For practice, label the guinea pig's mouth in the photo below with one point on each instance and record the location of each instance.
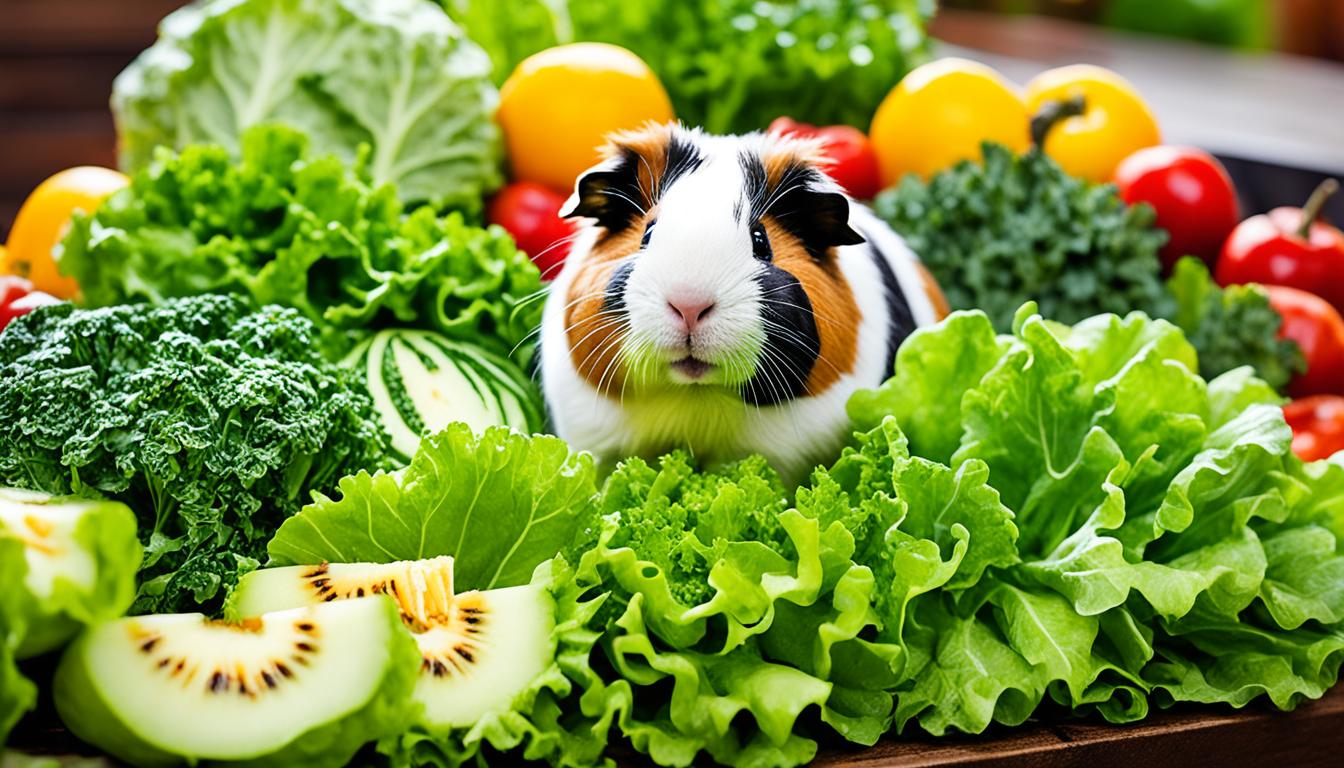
(693, 368)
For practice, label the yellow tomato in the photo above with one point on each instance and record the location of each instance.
(940, 113)
(1114, 125)
(44, 218)
(558, 105)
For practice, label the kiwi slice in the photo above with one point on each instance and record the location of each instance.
(478, 649)
(307, 686)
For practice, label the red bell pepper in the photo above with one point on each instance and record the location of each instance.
(1288, 246)
(1318, 426)
(1319, 330)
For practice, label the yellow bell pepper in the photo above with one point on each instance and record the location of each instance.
(44, 219)
(940, 113)
(1114, 122)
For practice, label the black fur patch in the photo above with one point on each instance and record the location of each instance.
(900, 320)
(799, 202)
(613, 194)
(614, 298)
(792, 343)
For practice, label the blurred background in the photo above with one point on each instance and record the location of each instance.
(1260, 83)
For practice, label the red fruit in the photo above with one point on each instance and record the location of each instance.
(851, 160)
(1318, 426)
(17, 297)
(1192, 194)
(1289, 246)
(530, 212)
(1319, 330)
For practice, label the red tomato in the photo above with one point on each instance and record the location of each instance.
(1192, 194)
(530, 212)
(1319, 330)
(17, 297)
(1318, 426)
(1276, 249)
(852, 161)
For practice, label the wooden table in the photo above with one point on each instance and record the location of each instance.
(1312, 735)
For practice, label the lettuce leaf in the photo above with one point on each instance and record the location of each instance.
(1166, 545)
(395, 75)
(278, 220)
(17, 693)
(500, 503)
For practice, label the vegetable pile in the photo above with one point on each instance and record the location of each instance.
(289, 424)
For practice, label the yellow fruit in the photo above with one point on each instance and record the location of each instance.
(940, 113)
(1114, 125)
(44, 219)
(558, 105)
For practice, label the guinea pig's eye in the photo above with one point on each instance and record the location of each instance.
(760, 243)
(648, 232)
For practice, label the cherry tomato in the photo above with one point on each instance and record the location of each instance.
(1288, 246)
(852, 160)
(1319, 330)
(1192, 194)
(530, 212)
(17, 297)
(1318, 426)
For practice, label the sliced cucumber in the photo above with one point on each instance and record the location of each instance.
(307, 686)
(478, 650)
(81, 557)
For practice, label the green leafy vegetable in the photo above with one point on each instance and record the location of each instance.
(396, 75)
(284, 227)
(500, 504)
(211, 421)
(729, 65)
(1232, 326)
(1017, 228)
(1169, 546)
(17, 693)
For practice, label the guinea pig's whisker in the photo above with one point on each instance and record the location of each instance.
(643, 211)
(823, 317)
(778, 193)
(602, 345)
(601, 381)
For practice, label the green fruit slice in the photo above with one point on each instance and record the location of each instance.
(478, 649)
(81, 557)
(306, 686)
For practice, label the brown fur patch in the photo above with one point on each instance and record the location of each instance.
(837, 313)
(781, 153)
(941, 309)
(594, 334)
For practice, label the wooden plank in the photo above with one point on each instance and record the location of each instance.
(81, 26)
(1311, 736)
(1267, 107)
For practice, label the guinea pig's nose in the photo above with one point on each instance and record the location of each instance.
(691, 311)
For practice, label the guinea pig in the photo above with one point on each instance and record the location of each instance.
(723, 296)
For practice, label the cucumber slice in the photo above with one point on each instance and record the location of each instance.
(80, 558)
(478, 649)
(307, 686)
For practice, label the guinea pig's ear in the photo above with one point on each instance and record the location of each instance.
(603, 193)
(815, 211)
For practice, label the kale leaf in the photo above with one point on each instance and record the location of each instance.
(213, 422)
(1017, 228)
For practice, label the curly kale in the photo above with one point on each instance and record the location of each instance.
(212, 421)
(677, 517)
(1017, 228)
